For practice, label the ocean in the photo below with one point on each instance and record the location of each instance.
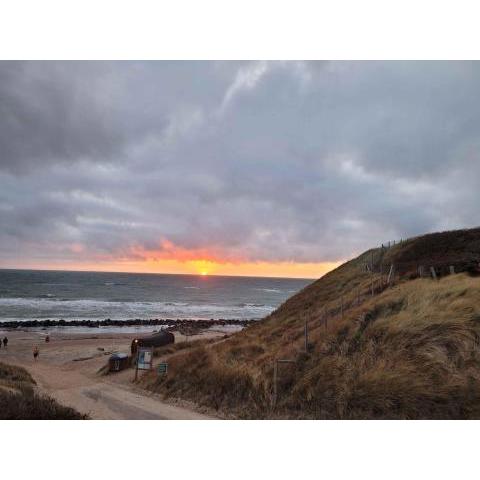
(55, 295)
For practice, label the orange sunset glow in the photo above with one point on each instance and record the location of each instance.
(174, 259)
(192, 267)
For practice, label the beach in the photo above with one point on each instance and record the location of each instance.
(68, 370)
(89, 315)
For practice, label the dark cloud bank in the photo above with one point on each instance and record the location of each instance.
(259, 161)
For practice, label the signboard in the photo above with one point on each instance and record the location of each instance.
(145, 358)
(162, 368)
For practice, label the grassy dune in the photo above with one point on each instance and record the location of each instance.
(20, 401)
(410, 351)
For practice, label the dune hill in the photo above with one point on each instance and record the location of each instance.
(19, 399)
(385, 340)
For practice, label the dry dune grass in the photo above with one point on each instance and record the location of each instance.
(418, 357)
(411, 351)
(457, 247)
(20, 401)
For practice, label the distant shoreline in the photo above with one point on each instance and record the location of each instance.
(170, 323)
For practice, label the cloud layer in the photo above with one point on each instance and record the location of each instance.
(227, 161)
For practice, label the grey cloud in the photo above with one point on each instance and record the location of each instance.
(52, 112)
(272, 161)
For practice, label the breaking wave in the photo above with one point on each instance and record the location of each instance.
(38, 308)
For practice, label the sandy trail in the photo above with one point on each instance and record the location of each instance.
(75, 383)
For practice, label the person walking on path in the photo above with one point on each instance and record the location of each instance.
(36, 353)
(5, 342)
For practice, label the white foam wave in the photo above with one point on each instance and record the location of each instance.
(27, 308)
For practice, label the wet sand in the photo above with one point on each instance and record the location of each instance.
(67, 370)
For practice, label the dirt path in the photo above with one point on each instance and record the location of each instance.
(76, 383)
(101, 399)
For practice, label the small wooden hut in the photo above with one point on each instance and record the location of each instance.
(118, 361)
(155, 340)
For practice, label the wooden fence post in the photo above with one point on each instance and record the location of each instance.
(275, 379)
(275, 374)
(306, 337)
(452, 269)
(390, 274)
(434, 274)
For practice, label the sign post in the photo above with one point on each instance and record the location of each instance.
(144, 359)
(162, 368)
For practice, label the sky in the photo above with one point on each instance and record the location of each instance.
(231, 168)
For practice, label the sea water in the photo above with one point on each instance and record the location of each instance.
(35, 294)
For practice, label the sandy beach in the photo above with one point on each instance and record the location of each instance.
(68, 366)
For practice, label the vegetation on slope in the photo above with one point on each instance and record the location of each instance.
(20, 401)
(410, 351)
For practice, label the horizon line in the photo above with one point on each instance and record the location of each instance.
(155, 273)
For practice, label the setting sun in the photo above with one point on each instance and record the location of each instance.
(203, 267)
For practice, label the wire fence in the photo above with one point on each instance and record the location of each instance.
(381, 279)
(384, 276)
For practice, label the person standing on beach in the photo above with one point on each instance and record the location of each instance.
(5, 342)
(36, 352)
